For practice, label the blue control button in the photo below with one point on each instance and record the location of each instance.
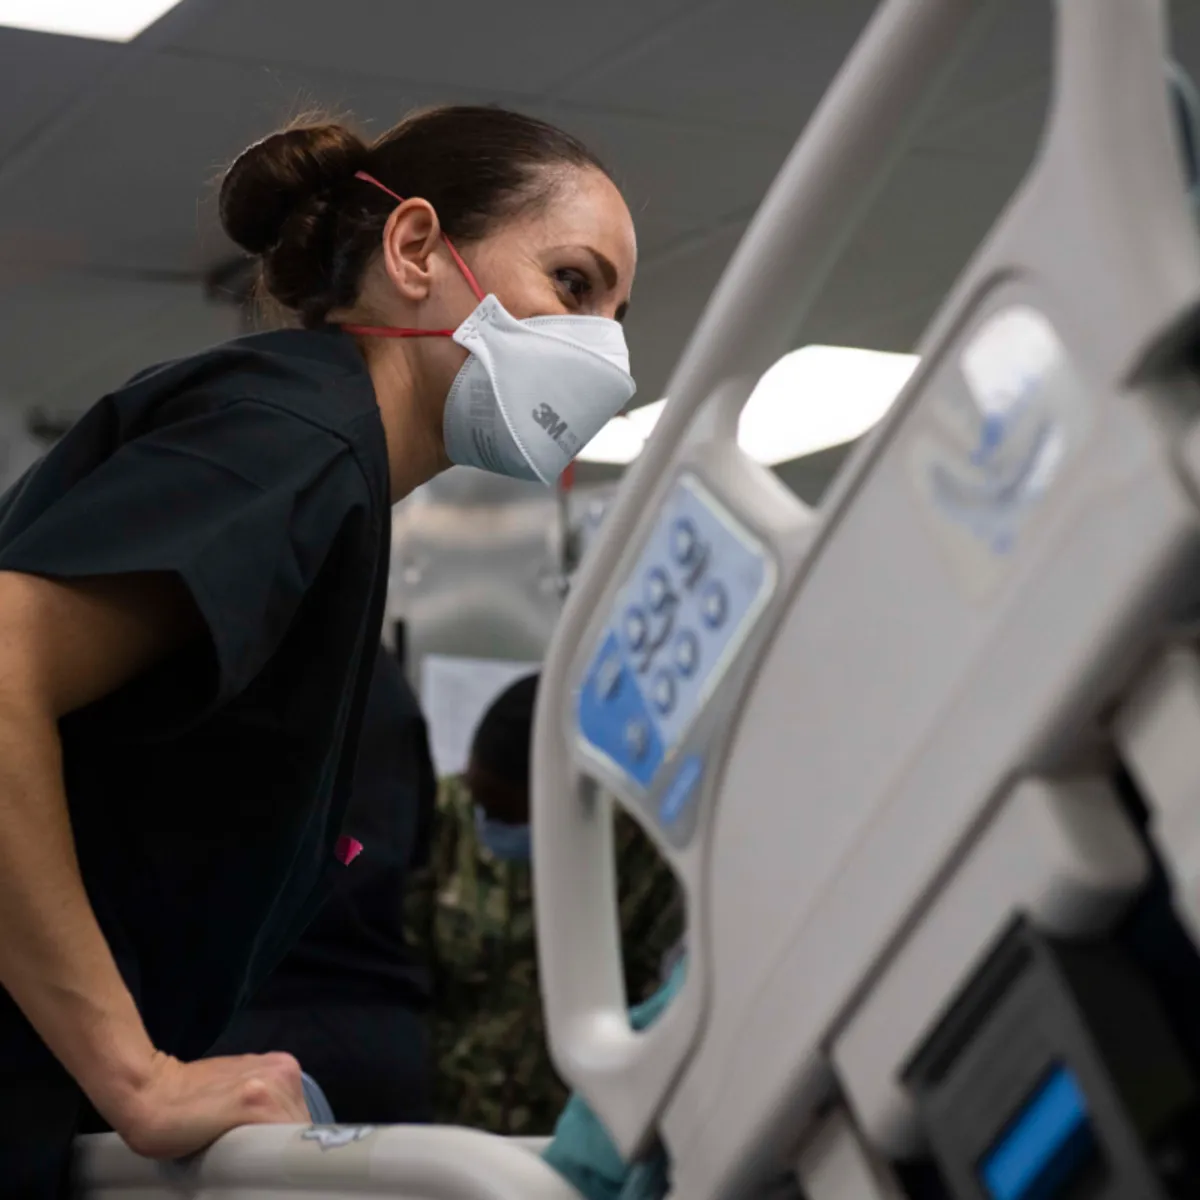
(684, 542)
(658, 589)
(663, 693)
(714, 604)
(635, 628)
(614, 717)
(687, 653)
(680, 790)
(1046, 1147)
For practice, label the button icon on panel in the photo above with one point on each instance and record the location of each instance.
(637, 738)
(714, 604)
(635, 628)
(608, 677)
(658, 590)
(664, 692)
(614, 717)
(684, 542)
(687, 653)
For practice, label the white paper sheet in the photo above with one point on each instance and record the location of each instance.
(455, 693)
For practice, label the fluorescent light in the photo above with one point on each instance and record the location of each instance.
(106, 20)
(819, 397)
(618, 443)
(645, 418)
(812, 399)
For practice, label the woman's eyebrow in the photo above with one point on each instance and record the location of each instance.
(608, 272)
(604, 265)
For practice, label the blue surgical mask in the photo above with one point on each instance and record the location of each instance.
(508, 843)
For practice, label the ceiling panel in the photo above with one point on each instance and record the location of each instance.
(150, 200)
(1008, 127)
(1010, 55)
(471, 45)
(1185, 34)
(919, 235)
(766, 63)
(39, 75)
(149, 203)
(753, 63)
(64, 340)
(678, 180)
(148, 175)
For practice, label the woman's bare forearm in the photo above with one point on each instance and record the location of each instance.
(54, 960)
(63, 646)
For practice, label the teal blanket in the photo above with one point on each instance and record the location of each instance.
(581, 1150)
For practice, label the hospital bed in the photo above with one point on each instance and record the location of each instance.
(880, 743)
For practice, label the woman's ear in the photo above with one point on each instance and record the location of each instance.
(411, 236)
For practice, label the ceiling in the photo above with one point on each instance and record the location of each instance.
(108, 154)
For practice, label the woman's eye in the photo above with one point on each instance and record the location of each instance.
(573, 282)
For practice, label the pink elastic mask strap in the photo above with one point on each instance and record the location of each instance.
(392, 332)
(462, 266)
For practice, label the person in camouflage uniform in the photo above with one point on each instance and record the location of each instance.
(472, 909)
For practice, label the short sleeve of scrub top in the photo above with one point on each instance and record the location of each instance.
(241, 503)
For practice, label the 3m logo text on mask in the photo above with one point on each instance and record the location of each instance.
(554, 425)
(550, 421)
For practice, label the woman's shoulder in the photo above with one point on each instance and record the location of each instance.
(317, 376)
(288, 397)
(289, 414)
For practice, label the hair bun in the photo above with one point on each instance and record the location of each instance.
(273, 178)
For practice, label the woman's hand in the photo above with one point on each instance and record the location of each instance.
(179, 1108)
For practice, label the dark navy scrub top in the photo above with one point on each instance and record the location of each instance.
(355, 952)
(207, 796)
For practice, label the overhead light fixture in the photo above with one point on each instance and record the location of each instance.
(812, 399)
(104, 20)
(819, 397)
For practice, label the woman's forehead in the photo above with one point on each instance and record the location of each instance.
(586, 210)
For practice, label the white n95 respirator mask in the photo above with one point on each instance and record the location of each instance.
(532, 392)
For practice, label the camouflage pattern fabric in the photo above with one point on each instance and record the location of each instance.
(474, 916)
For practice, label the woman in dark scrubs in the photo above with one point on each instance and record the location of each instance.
(192, 587)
